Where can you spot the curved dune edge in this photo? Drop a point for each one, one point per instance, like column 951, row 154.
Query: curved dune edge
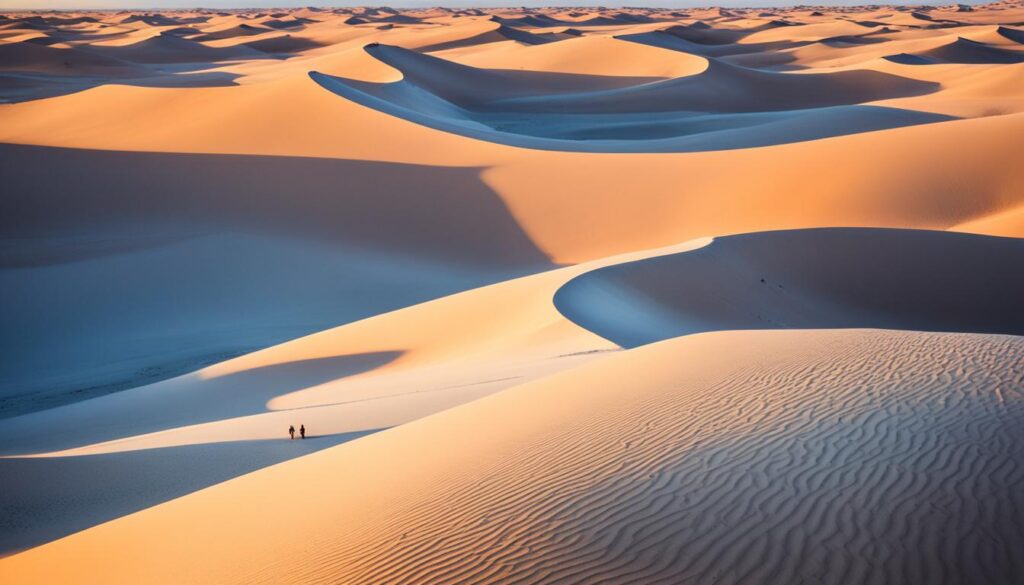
column 807, row 279
column 742, row 457
column 375, row 373
column 482, row 342
column 963, row 51
column 713, row 109
column 341, row 383
column 398, row 367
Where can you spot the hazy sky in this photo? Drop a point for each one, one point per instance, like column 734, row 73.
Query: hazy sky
column 121, row 4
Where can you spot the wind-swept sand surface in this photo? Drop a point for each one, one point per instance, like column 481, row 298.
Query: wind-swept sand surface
column 561, row 295
column 738, row 457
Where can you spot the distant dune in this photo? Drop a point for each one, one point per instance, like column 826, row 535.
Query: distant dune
column 550, row 113
column 961, row 51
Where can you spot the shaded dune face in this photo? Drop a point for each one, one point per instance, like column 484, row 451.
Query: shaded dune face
column 680, row 38
column 33, row 56
column 734, row 457
column 965, row 51
column 362, row 203
column 317, row 242
column 498, row 34
column 713, row 109
column 1013, row 34
column 808, row 279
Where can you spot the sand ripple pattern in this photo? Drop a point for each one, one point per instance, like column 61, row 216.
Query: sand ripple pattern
column 859, row 456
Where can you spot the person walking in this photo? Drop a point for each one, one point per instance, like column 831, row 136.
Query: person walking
column 302, row 431
column 291, row 431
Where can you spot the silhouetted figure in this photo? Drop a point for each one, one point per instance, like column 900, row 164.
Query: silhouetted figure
column 302, row 431
column 291, row 431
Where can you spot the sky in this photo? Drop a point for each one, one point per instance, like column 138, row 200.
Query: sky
column 154, row 4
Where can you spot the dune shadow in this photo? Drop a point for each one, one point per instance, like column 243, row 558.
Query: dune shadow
column 696, row 41
column 179, row 402
column 366, row 203
column 960, row 51
column 18, row 87
column 724, row 107
column 808, row 279
column 37, row 506
column 317, row 242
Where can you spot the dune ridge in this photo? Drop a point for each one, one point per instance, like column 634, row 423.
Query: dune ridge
column 396, row 368
column 808, row 279
column 960, row 51
column 677, row 481
column 661, row 116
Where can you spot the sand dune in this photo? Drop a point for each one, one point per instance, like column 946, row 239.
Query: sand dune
column 912, row 177
column 421, row 350
column 398, row 367
column 1013, row 34
column 173, row 49
column 702, row 41
column 808, row 279
column 960, row 51
column 282, row 44
column 514, row 270
column 491, row 34
column 707, row 92
column 359, row 378
column 770, row 442
column 317, row 248
column 30, row 56
column 541, row 111
column 591, row 56
column 242, row 30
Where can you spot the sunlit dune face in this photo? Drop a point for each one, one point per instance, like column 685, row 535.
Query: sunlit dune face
column 759, row 91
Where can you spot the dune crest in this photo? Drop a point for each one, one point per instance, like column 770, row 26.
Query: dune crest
column 806, row 279
column 557, row 113
column 759, row 441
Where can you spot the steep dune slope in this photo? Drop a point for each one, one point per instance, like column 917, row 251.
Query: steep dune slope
column 398, row 367
column 740, row 457
column 372, row 373
column 930, row 176
column 31, row 56
column 549, row 112
column 215, row 276
column 172, row 49
column 825, row 278
column 341, row 383
column 961, row 51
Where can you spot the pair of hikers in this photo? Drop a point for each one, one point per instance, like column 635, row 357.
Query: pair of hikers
column 302, row 431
